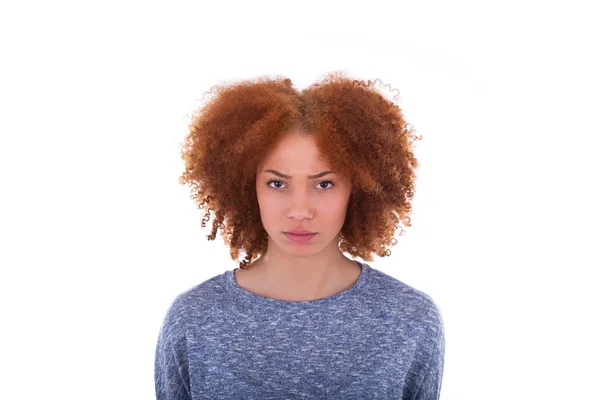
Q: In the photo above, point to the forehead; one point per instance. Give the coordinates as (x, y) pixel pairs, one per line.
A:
(296, 148)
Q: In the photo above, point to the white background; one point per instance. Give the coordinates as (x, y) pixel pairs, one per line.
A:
(97, 236)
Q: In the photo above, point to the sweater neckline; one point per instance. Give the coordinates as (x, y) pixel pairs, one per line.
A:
(268, 301)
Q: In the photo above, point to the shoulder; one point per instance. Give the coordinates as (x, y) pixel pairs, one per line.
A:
(406, 303)
(193, 305)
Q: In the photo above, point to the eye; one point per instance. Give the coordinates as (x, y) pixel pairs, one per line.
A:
(329, 182)
(320, 183)
(273, 181)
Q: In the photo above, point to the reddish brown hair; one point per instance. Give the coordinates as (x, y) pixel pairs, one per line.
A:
(362, 134)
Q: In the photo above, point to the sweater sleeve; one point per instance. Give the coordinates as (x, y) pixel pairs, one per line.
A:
(171, 370)
(432, 382)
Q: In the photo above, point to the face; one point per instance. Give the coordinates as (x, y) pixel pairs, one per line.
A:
(299, 200)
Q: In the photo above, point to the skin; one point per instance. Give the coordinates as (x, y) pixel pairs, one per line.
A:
(300, 271)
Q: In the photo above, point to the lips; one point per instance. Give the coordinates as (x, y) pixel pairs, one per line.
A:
(300, 232)
(300, 238)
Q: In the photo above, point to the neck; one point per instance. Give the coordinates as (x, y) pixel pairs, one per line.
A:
(302, 279)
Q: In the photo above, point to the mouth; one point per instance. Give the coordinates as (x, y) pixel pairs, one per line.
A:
(300, 238)
(300, 232)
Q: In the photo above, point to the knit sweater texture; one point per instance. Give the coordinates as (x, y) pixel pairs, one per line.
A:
(378, 339)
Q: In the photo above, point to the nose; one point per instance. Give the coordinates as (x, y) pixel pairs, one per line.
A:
(300, 206)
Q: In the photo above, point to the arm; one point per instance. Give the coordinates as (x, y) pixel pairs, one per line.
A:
(171, 372)
(432, 382)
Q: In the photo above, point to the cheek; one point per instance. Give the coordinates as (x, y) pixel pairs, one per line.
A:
(270, 206)
(337, 209)
(332, 208)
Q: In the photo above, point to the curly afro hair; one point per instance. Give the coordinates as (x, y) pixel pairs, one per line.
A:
(362, 134)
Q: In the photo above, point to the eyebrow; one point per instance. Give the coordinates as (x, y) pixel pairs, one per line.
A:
(289, 177)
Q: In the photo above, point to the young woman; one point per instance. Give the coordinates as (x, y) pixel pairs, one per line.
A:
(295, 180)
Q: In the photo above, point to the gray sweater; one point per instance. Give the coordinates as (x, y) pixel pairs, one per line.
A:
(379, 339)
